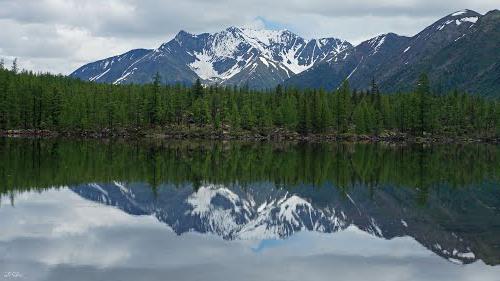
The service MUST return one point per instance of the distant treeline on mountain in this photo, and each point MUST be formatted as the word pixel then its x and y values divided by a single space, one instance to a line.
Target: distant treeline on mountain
pixel 459 51
pixel 62 104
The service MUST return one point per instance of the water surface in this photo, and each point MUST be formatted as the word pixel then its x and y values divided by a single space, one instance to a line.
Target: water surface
pixel 93 210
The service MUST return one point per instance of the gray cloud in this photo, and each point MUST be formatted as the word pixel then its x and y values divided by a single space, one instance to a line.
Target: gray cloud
pixel 60 35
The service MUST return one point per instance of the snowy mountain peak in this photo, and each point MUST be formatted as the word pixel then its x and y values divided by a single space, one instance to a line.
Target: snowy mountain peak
pixel 221 56
pixel 234 56
pixel 183 33
pixel 269 37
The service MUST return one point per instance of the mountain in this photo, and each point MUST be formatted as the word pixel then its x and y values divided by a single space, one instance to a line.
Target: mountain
pixel 235 56
pixel 357 64
pixel 471 61
pixel 110 69
pixel 262 211
pixel 458 51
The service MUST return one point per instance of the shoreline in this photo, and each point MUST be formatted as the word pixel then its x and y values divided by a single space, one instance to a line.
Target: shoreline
pixel 221 135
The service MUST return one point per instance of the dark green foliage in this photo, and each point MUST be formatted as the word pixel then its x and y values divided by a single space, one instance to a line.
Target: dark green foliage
pixel 48 102
pixel 14 66
pixel 28 163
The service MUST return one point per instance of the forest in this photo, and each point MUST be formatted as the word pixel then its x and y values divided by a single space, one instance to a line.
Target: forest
pixel 30 101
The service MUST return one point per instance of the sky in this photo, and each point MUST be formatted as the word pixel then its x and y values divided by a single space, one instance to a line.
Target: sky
pixel 59 36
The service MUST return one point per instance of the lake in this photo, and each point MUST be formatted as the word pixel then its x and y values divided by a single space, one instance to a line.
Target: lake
pixel 154 210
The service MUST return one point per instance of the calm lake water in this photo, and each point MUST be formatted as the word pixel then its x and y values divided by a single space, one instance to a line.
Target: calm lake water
pixel 90 210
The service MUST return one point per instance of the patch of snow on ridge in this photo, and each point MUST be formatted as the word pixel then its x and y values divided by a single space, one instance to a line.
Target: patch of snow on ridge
pixel 350 74
pixel 470 19
pixel 224 44
pixel 441 27
pixel 123 77
pixel 377 42
pixel 97 77
pixel 458 22
pixel 459 13
pixel 203 66
pixel 264 61
pixel 266 37
pixel 290 59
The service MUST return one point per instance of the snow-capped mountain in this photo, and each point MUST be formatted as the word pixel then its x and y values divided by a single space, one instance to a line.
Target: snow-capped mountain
pixel 397 61
pixel 235 56
pixel 262 211
pixel 459 51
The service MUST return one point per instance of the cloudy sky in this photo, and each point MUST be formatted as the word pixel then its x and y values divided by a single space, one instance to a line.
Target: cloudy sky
pixel 61 35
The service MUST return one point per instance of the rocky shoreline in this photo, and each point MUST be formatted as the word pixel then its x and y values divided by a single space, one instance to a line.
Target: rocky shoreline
pixel 272 135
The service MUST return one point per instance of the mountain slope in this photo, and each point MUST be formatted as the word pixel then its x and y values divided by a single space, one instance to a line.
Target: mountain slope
pixel 472 61
pixel 357 64
pixel 402 72
pixel 111 69
pixel 452 51
pixel 235 56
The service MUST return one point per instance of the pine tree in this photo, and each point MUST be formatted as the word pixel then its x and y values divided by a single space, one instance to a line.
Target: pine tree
pixel 157 83
pixel 234 119
pixel 14 66
pixel 423 94
pixel 198 89
pixel 374 90
pixel 343 107
pixel 152 100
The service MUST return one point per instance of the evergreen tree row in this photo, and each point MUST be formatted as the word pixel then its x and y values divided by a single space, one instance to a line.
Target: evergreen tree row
pixel 58 103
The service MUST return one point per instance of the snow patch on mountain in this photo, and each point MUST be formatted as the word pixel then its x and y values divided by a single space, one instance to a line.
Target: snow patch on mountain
pixel 459 13
pixel 100 75
pixel 290 59
pixel 457 22
pixel 379 42
pixel 469 19
pixel 264 37
pixel 203 66
pixel 124 76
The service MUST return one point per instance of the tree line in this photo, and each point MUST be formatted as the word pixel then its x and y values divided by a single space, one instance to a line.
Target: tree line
pixel 48 102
